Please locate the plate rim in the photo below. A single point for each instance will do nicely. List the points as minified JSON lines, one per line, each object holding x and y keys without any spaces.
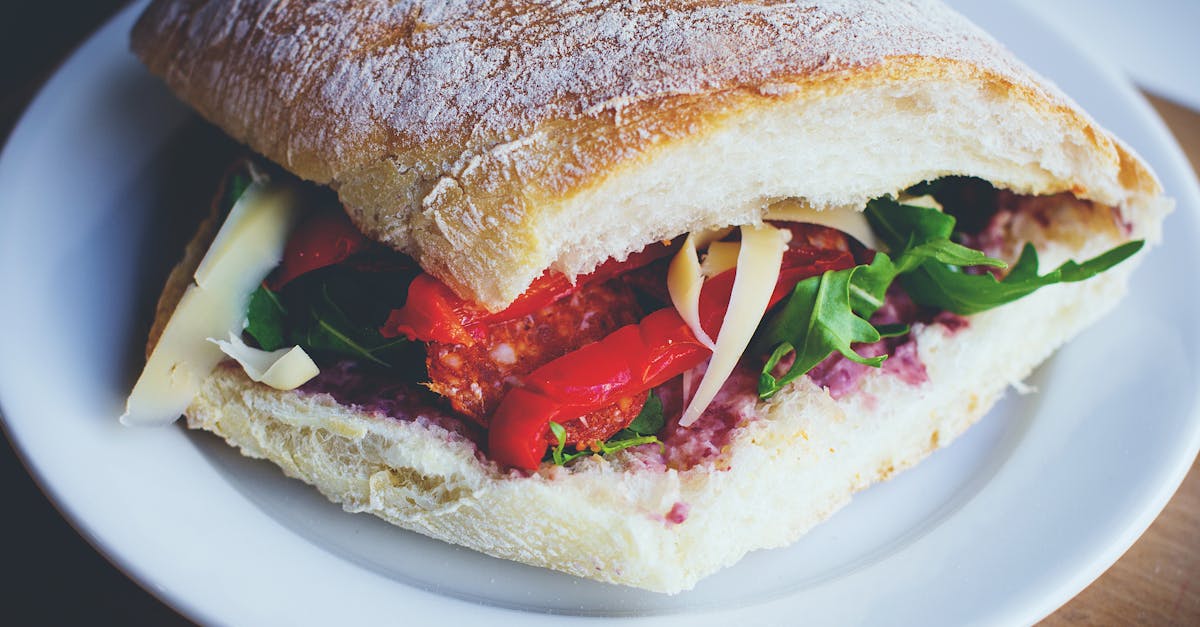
{"x":1176,"y":169}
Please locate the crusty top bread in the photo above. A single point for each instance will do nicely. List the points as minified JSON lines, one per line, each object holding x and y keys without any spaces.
{"x":494,"y":140}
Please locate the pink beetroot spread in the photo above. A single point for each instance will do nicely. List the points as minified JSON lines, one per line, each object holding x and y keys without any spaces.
{"x":679,"y":513}
{"x":705,"y":439}
{"x":375,"y":391}
{"x":841,"y":376}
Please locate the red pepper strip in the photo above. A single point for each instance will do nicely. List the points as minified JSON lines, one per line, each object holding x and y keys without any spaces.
{"x":431,"y":313}
{"x":798,"y":264}
{"x":434,"y":313}
{"x":323,"y":239}
{"x":630,"y":360}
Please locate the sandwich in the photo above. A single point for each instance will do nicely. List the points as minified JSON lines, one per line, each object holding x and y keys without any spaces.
{"x":624,"y":290}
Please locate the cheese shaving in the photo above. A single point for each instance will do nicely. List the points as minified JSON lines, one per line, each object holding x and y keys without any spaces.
{"x":758,"y":265}
{"x":706,"y":237}
{"x":721,"y":256}
{"x":927,"y":201}
{"x":284,"y":369}
{"x":684,"y":281}
{"x":849,"y":220}
{"x":249,"y":244}
{"x":689,"y":381}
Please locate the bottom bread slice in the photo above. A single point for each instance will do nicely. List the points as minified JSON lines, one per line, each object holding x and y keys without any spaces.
{"x":622,"y":521}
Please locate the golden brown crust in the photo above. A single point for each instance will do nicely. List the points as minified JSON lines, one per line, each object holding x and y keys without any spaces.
{"x":466,"y":133}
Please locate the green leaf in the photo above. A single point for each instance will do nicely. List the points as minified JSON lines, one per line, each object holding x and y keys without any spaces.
{"x":560,"y":434}
{"x":627,"y":439}
{"x":932,"y":265}
{"x":235,"y":186}
{"x":942,"y":286}
{"x":816,"y":321}
{"x":918,"y":234}
{"x":906,"y":226}
{"x":336,"y":312}
{"x":332,"y":330}
{"x":650,"y":420}
{"x":768,"y":385}
{"x":1072,"y":272}
{"x":641,"y":431}
{"x":948,"y":252}
{"x":892,"y":330}
{"x":829,"y":313}
{"x":265,"y":319}
{"x":869,"y":285}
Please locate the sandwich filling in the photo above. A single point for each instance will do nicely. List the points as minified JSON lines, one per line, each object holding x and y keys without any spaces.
{"x":664,"y":352}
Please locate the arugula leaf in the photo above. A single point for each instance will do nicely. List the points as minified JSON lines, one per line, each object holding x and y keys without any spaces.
{"x":830,"y":313}
{"x":931,"y":264}
{"x":556,"y":453}
{"x":330,"y":329}
{"x":619,"y":442}
{"x":819,"y":319}
{"x":265,"y":319}
{"x":641,"y":431}
{"x":869,"y":285}
{"x":948,"y":252}
{"x":917,"y":234}
{"x":892,"y":330}
{"x":650,"y":420}
{"x":902,"y":226}
{"x":235,"y":185}
{"x":944,"y":287}
{"x":336,"y":312}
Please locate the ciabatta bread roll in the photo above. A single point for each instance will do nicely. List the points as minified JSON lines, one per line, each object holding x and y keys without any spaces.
{"x":495,"y":142}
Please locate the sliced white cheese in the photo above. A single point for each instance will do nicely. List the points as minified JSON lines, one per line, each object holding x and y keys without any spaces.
{"x":284,"y":369}
{"x":759,"y":262}
{"x":705,"y":237}
{"x":849,"y":220}
{"x":689,"y":384}
{"x":251,"y":239}
{"x":927,"y":201}
{"x":721,"y":256}
{"x":249,"y":244}
{"x":684,"y":281}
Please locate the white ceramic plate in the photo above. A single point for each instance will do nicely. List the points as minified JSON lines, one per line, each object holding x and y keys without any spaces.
{"x":1001,"y":527}
{"x":1154,"y":41}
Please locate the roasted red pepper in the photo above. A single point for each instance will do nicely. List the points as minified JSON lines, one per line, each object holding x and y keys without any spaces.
{"x":632,"y":359}
{"x":323,"y":239}
{"x":434,"y":313}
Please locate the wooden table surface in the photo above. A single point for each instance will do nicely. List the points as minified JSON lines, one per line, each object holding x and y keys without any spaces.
{"x":1157,"y":582}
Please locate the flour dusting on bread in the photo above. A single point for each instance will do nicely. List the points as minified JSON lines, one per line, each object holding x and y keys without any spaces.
{"x":541,"y":62}
{"x":468,"y":134}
